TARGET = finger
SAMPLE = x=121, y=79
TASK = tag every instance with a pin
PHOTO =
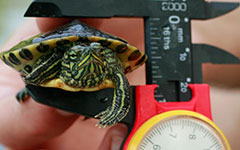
x=28, y=125
x=114, y=138
x=82, y=135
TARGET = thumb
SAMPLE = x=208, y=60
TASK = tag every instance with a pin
x=114, y=137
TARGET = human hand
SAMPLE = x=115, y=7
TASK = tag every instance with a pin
x=34, y=126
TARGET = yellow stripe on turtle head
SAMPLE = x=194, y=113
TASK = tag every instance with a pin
x=97, y=58
x=84, y=60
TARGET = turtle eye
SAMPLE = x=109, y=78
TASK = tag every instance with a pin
x=73, y=56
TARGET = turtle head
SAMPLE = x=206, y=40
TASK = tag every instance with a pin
x=83, y=63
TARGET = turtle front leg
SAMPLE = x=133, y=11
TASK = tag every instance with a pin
x=45, y=71
x=22, y=95
x=120, y=104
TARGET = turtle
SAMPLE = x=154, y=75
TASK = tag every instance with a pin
x=77, y=57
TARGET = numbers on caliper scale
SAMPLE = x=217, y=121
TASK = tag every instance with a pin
x=174, y=6
x=169, y=63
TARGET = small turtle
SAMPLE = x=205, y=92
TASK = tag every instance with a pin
x=77, y=57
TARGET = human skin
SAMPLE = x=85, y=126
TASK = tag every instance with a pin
x=35, y=125
x=224, y=80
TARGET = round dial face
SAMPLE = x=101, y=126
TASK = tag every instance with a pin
x=184, y=131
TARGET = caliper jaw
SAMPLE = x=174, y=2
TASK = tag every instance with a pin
x=85, y=103
x=203, y=53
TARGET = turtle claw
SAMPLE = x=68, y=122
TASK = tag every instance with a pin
x=102, y=121
x=99, y=115
x=22, y=95
x=107, y=118
x=100, y=125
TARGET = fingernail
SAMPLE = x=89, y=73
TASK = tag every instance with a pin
x=64, y=113
x=116, y=142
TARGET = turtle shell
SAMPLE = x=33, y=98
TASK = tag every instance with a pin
x=23, y=56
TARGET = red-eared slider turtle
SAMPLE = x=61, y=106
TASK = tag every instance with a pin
x=77, y=57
